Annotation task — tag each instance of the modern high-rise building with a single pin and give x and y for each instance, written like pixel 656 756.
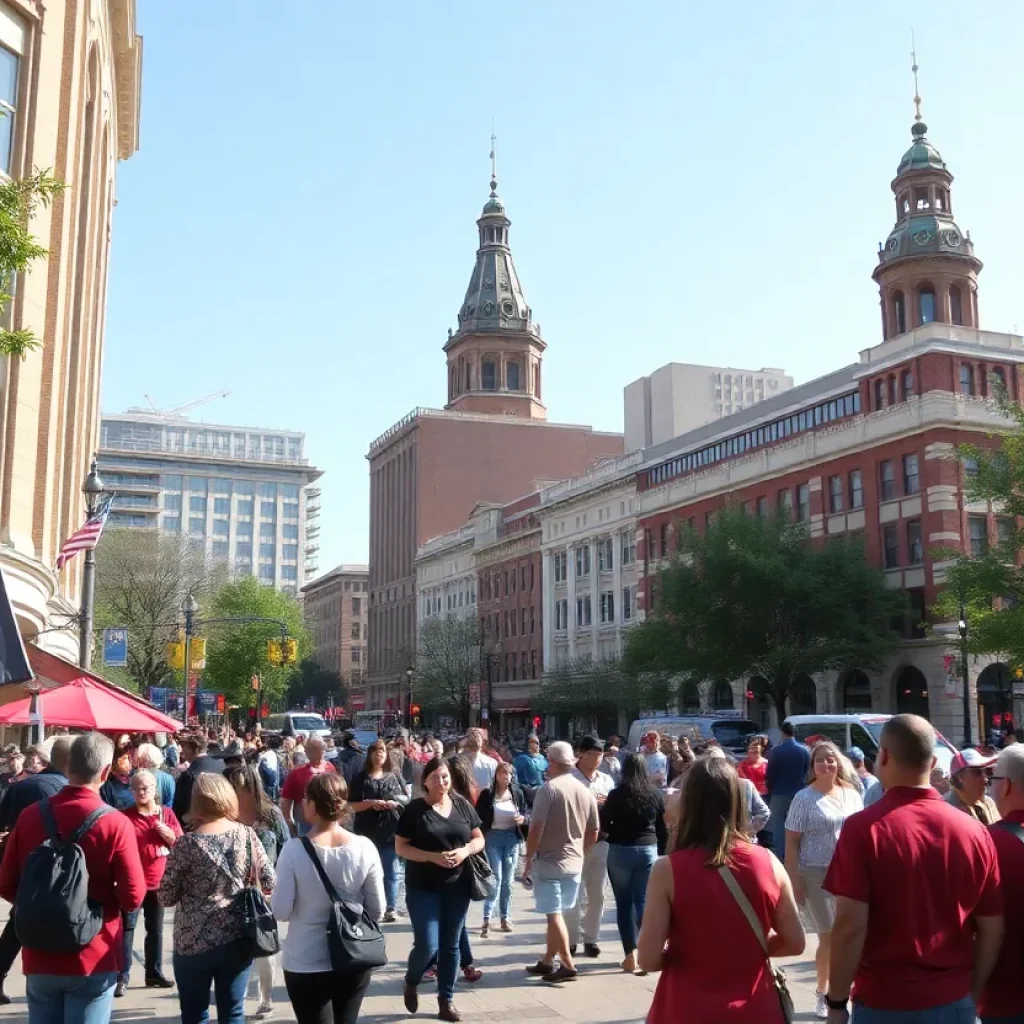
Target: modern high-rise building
pixel 491 443
pixel 335 608
pixel 242 493
pixel 69 98
pixel 681 396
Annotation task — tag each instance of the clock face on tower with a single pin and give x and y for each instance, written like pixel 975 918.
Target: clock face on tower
pixel 923 237
pixel 951 238
pixel 893 244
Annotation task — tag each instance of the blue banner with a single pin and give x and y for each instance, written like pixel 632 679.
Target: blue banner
pixel 115 647
pixel 207 704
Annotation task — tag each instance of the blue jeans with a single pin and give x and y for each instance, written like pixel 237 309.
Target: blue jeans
pixel 1017 1018
pixel 502 851
pixel 629 867
pixel 226 968
pixel 779 806
pixel 960 1012
pixel 389 862
pixel 437 922
pixel 70 999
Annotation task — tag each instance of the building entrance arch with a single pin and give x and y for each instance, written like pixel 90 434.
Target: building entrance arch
pixel 803 697
pixel 911 692
pixel 854 692
pixel 995 698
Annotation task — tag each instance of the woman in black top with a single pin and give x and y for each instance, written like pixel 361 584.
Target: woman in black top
pixel 436 834
pixel 632 818
pixel 377 798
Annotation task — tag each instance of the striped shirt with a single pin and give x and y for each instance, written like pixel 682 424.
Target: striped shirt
pixel 819 819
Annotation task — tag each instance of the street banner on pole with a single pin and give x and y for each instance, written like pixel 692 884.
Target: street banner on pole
pixel 115 647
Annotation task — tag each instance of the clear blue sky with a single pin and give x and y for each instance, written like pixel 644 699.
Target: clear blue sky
pixel 691 182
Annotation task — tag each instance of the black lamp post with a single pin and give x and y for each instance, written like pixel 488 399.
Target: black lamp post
pixel 962 629
pixel 406 709
pixel 93 491
pixel 190 608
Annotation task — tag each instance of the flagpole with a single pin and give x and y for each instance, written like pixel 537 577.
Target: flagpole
pixel 92 489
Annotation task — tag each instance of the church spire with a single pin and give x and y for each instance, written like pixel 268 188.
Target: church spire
pixel 494 354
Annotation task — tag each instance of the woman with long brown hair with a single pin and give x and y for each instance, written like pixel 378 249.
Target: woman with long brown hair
pixel 690 884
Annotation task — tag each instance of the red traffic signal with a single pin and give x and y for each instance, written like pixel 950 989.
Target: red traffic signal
pixel 536 721
pixel 220 703
pixel 414 709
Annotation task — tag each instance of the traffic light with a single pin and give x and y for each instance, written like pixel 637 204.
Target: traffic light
pixel 175 655
pixel 274 653
pixel 536 721
pixel 414 709
pixel 290 652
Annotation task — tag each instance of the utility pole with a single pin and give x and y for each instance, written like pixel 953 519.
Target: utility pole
pixel 190 606
pixel 962 628
pixel 92 489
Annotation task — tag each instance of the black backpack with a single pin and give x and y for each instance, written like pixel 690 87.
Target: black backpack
pixel 52 909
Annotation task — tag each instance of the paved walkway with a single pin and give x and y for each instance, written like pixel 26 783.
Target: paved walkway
pixel 505 993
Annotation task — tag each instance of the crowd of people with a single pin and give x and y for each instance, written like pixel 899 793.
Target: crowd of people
pixel 911 878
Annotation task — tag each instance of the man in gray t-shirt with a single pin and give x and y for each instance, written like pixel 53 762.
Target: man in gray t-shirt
pixel 563 827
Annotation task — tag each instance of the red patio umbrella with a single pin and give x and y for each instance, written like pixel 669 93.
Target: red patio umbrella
pixel 84 704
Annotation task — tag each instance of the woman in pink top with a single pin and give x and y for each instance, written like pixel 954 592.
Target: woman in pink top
pixel 755 765
pixel 698 982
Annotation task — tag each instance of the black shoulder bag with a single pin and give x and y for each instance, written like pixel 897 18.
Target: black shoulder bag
pixel 260 925
pixel 354 940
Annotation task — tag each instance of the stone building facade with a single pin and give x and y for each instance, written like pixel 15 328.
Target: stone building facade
pixel 72 78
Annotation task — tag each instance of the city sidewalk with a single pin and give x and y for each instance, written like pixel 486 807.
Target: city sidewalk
pixel 505 993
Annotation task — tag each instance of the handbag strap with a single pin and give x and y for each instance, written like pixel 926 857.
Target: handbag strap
pixel 332 893
pixel 744 904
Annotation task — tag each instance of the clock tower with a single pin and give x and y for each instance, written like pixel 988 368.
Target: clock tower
pixel 927 271
pixel 495 353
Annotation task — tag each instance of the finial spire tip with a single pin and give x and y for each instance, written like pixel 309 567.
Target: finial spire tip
pixel 494 164
pixel 914 68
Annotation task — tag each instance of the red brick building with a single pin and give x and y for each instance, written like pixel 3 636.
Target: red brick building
pixel 869 450
pixel 491 443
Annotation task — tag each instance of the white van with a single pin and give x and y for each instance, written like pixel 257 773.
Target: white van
pixel 730 729
pixel 291 723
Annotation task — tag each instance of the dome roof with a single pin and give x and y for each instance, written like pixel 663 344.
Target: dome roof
pixel 493 205
pixel 922 155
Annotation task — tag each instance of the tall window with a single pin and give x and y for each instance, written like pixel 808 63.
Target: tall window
pixel 899 306
pixel 879 394
pixel 664 539
pixel 762 507
pixel 966 379
pixel 561 614
pixel 608 607
pixel 977 529
pixel 907 384
pixel 785 503
pixel 628 547
pixel 891 545
pixel 583 611
pixel 803 503
pixel 911 480
pixel 583 561
pixel 915 549
pixel 8 101
pixel 627 604
pixel 604 554
pixel 956 305
pixel 886 481
pixel 512 376
pixel 926 304
pixel 559 563
pixel 488 376
pixel 835 494
pixel 998 378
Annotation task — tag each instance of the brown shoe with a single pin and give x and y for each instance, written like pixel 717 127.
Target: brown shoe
pixel 541 968
pixel 484 931
pixel 447 1011
pixel 562 974
pixel 506 925
pixel 411 998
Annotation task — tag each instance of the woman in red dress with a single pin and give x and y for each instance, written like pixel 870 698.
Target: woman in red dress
pixel 712 966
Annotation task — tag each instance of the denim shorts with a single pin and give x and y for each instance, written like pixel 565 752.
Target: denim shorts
pixel 960 1012
pixel 554 890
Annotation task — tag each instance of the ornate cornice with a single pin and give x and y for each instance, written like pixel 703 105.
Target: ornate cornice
pixel 126 44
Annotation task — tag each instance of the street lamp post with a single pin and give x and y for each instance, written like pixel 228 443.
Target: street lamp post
pixel 92 489
pixel 407 706
pixel 962 629
pixel 190 607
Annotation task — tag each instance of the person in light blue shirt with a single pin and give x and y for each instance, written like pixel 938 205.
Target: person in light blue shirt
pixel 871 788
pixel 530 767
pixel 657 762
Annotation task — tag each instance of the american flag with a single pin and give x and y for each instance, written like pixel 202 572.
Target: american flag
pixel 87 537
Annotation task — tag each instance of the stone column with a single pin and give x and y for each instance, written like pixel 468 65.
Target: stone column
pixel 571 600
pixel 617 588
pixel 547 618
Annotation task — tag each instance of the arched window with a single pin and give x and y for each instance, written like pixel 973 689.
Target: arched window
pixel 899 308
pixel 966 379
pixel 488 376
pixel 721 697
pixel 512 381
pixel 911 692
pixel 956 305
pixel 926 304
pixel 856 692
pixel 690 697
pixel 451 383
pixel 907 378
pixel 536 381
pixel 469 377
pixel 802 697
pixel 879 394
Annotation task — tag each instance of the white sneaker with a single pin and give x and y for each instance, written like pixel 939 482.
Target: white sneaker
pixel 820 1006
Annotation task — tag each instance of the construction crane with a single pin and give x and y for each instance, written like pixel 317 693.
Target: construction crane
pixel 179 409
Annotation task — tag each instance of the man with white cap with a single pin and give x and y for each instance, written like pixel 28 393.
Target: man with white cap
pixel 1002 999
pixel 967 773
pixel 563 827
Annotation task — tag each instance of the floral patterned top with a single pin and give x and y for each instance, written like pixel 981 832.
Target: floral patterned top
pixel 204 875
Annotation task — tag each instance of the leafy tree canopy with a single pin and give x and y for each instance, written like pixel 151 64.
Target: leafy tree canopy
pixel 313 681
pixel 235 652
pixel 754 596
pixel 600 690
pixel 448 664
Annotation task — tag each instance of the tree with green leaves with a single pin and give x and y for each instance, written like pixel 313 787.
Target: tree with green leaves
pixel 320 684
pixel 756 597
pixel 142 578
pixel 598 691
pixel 18 247
pixel 989 585
pixel 236 651
pixel 448 665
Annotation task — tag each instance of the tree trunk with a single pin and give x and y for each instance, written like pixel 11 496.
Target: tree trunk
pixel 779 693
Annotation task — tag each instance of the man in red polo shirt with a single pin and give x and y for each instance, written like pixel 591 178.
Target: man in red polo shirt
pixel 79 987
pixel 919 914
pixel 294 791
pixel 1003 996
